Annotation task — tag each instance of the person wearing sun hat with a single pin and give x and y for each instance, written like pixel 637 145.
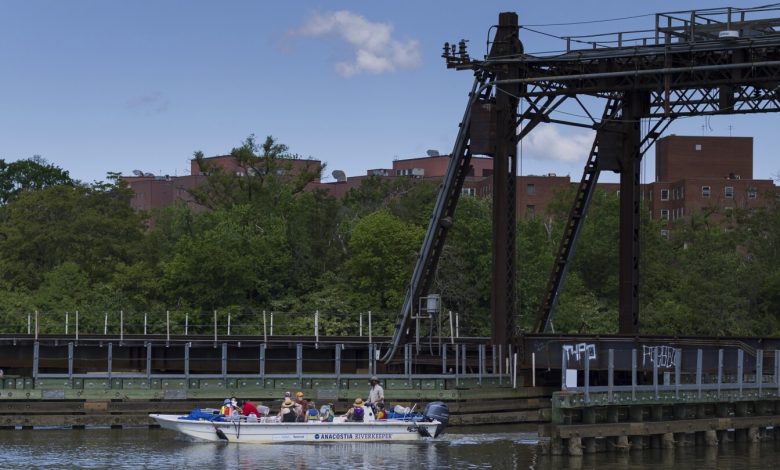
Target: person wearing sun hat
pixel 287 414
pixel 356 413
pixel 377 394
pixel 301 405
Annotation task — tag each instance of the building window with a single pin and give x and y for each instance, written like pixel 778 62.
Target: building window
pixel 752 193
pixel 468 192
pixel 530 211
pixel 664 194
pixel 664 214
pixel 665 233
pixel 530 189
pixel 705 191
pixel 728 191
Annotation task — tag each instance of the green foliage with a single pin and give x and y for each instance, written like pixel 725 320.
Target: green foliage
pixel 383 251
pixel 266 174
pixel 31 174
pixel 95 229
pixel 259 241
pixel 463 275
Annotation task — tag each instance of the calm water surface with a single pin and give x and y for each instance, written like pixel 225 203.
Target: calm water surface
pixel 503 447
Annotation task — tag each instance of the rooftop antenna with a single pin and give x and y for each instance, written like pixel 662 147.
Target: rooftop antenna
pixel 339 176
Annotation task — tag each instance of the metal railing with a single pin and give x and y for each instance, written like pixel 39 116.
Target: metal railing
pixel 458 361
pixel 746 376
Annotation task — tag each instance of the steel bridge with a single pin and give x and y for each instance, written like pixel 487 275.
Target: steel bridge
pixel 691 63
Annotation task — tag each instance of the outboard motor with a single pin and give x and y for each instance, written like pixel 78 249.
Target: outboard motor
pixel 439 411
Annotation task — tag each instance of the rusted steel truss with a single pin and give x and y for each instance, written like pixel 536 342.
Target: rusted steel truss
pixel 717 61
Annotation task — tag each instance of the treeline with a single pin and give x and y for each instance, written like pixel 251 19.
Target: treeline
pixel 262 241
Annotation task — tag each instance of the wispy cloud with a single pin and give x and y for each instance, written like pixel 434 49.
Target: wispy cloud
pixel 149 104
pixel 547 143
pixel 375 49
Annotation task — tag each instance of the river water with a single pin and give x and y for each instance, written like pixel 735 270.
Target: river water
pixel 504 447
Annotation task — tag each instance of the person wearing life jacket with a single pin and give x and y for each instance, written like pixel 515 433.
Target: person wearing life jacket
pixel 287 413
pixel 357 412
pixel 311 413
pixel 381 414
pixel 227 408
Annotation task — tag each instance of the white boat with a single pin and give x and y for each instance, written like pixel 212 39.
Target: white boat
pixel 269 430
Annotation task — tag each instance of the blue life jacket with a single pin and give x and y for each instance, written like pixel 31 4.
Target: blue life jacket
pixel 357 414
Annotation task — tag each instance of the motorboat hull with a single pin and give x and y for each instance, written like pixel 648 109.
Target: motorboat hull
pixel 277 432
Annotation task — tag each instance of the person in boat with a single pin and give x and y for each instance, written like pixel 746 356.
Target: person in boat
pixel 301 406
pixel 247 408
pixel 356 413
pixel 381 414
pixel 377 394
pixel 287 413
pixel 311 413
pixel 227 408
pixel 326 413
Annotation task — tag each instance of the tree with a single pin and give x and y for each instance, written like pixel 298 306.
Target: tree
pixel 234 257
pixel 29 175
pixel 463 274
pixel 95 228
pixel 383 250
pixel 266 174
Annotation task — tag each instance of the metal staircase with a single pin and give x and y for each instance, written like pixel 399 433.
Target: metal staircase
pixel 582 200
pixel 441 219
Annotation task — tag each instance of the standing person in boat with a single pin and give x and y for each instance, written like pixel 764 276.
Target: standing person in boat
pixel 356 413
pixel 377 394
pixel 287 414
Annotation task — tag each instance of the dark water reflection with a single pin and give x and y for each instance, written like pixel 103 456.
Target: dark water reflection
pixel 477 448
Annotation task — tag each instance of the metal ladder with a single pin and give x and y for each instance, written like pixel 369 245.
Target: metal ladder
pixel 571 232
pixel 441 219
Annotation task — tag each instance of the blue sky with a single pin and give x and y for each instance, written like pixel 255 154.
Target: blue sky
pixel 99 86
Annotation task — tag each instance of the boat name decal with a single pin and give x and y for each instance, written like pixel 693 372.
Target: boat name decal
pixel 359 436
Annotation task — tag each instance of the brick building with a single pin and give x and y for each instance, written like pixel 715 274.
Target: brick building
pixel 696 175
pixel 693 175
pixel 156 191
